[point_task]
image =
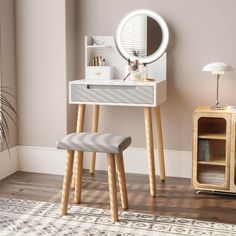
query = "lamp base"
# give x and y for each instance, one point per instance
(217, 108)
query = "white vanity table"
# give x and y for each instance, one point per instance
(148, 95)
(141, 38)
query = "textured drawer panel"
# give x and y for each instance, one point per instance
(112, 94)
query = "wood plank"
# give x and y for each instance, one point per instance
(212, 136)
(216, 161)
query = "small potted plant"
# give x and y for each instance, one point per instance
(136, 52)
(7, 113)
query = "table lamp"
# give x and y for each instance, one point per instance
(217, 68)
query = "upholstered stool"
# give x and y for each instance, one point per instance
(113, 145)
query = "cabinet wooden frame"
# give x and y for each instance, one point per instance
(228, 138)
(233, 156)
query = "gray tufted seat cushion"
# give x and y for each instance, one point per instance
(95, 142)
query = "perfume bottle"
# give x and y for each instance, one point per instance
(127, 68)
(135, 74)
(144, 72)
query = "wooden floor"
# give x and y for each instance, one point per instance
(175, 196)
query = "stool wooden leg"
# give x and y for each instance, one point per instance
(79, 128)
(112, 186)
(78, 177)
(150, 150)
(160, 144)
(122, 180)
(94, 129)
(67, 182)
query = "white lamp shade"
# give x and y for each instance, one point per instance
(217, 67)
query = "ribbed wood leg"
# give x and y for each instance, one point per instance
(94, 129)
(79, 128)
(67, 182)
(112, 187)
(150, 150)
(78, 177)
(76, 154)
(122, 180)
(160, 144)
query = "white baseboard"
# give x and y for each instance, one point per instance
(41, 160)
(8, 162)
(52, 161)
(177, 163)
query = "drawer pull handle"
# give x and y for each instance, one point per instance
(111, 87)
(98, 73)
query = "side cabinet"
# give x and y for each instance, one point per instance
(214, 150)
(233, 156)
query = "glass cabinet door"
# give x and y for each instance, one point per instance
(211, 151)
(233, 156)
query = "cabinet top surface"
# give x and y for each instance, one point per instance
(117, 82)
(228, 109)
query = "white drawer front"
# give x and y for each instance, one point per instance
(98, 72)
(119, 94)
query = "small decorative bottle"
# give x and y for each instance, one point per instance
(135, 75)
(127, 68)
(144, 72)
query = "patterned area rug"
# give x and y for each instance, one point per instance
(24, 217)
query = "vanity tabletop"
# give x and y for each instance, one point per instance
(153, 82)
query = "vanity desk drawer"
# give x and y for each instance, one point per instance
(120, 94)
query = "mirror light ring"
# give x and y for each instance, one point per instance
(164, 43)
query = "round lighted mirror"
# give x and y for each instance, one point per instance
(142, 35)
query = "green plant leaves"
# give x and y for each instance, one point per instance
(7, 113)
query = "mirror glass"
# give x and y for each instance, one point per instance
(142, 35)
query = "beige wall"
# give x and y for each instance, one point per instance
(47, 33)
(200, 32)
(71, 56)
(41, 71)
(7, 22)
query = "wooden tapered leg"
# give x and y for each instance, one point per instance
(80, 118)
(78, 177)
(79, 128)
(67, 182)
(122, 180)
(160, 144)
(150, 150)
(94, 129)
(112, 187)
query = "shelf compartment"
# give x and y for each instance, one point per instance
(218, 161)
(212, 136)
(211, 152)
(213, 175)
(98, 46)
(212, 127)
